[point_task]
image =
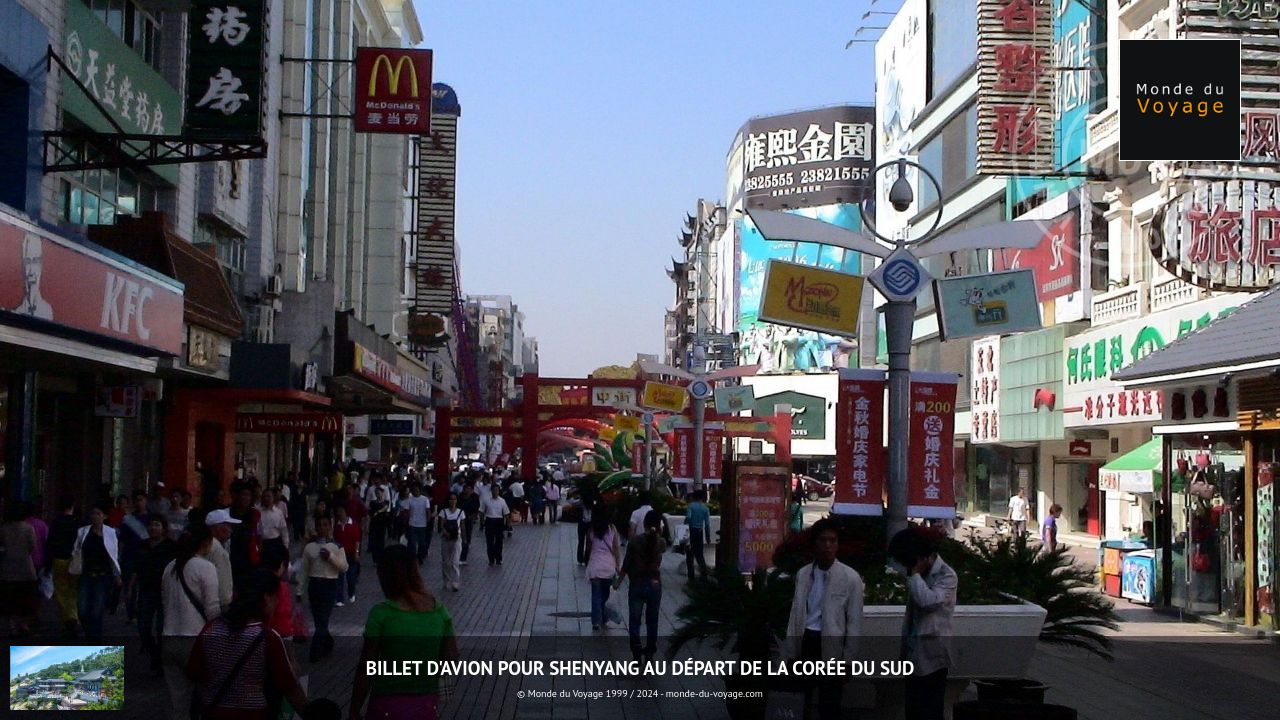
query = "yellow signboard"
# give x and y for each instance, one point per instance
(629, 423)
(661, 396)
(607, 434)
(811, 298)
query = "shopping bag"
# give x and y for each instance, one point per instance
(46, 584)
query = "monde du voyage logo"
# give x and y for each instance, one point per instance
(393, 91)
(1180, 100)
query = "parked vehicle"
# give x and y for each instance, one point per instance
(815, 488)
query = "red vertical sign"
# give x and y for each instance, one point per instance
(682, 455)
(930, 483)
(637, 456)
(712, 454)
(860, 443)
(762, 514)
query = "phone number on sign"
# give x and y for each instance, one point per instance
(813, 175)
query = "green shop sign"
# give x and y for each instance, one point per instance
(808, 413)
(1096, 355)
(131, 92)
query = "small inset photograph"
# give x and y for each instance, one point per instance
(66, 677)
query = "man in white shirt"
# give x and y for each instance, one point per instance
(273, 528)
(495, 524)
(1018, 513)
(219, 523)
(826, 615)
(637, 517)
(419, 507)
(323, 562)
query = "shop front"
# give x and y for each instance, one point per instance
(1220, 442)
(81, 330)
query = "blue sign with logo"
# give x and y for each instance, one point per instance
(384, 426)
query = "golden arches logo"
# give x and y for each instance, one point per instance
(393, 75)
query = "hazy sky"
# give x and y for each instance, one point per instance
(589, 130)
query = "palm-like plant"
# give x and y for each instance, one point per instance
(734, 614)
(1077, 612)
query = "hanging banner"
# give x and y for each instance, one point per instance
(991, 304)
(735, 398)
(661, 396)
(860, 458)
(682, 450)
(762, 514)
(682, 455)
(930, 489)
(393, 91)
(1015, 87)
(811, 298)
(225, 46)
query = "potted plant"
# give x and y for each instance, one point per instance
(738, 615)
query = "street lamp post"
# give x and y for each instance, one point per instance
(900, 278)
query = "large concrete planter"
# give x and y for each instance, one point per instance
(675, 521)
(990, 641)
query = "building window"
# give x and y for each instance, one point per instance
(951, 155)
(136, 28)
(953, 43)
(1099, 251)
(228, 247)
(96, 197)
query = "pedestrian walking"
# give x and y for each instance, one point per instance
(276, 560)
(795, 513)
(1018, 513)
(323, 560)
(245, 546)
(153, 558)
(179, 513)
(410, 625)
(604, 563)
(380, 517)
(273, 525)
(636, 524)
(241, 666)
(698, 518)
(1049, 531)
(62, 542)
(347, 532)
(927, 627)
(584, 528)
(189, 594)
(552, 491)
(298, 505)
(496, 511)
(826, 615)
(469, 503)
(419, 507)
(18, 577)
(96, 560)
(642, 566)
(221, 525)
(451, 520)
(131, 534)
(537, 501)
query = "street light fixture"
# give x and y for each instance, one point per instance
(900, 310)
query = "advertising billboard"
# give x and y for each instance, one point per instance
(393, 91)
(1055, 260)
(1015, 87)
(779, 349)
(902, 82)
(811, 298)
(809, 158)
(992, 304)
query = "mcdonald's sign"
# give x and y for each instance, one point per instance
(393, 91)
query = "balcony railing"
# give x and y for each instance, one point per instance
(1123, 303)
(1171, 291)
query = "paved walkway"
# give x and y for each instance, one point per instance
(537, 607)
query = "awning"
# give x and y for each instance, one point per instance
(1137, 471)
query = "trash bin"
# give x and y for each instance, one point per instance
(979, 710)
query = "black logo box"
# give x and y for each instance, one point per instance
(1186, 65)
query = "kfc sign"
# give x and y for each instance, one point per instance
(393, 91)
(45, 277)
(1056, 260)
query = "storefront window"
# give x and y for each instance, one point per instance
(96, 197)
(1207, 517)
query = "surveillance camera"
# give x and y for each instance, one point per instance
(900, 195)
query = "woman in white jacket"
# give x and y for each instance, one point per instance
(189, 592)
(96, 559)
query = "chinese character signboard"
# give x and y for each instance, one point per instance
(1222, 235)
(860, 459)
(613, 397)
(811, 298)
(984, 396)
(1090, 397)
(1056, 260)
(811, 158)
(682, 454)
(393, 91)
(629, 423)
(434, 249)
(762, 514)
(992, 304)
(224, 67)
(712, 453)
(931, 487)
(735, 398)
(1015, 87)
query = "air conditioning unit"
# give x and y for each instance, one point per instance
(274, 287)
